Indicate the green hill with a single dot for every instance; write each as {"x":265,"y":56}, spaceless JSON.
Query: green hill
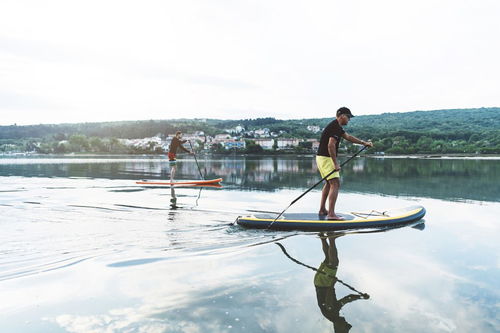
{"x":438,"y":131}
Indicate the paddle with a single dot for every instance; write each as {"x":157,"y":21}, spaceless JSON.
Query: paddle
{"x":196,"y":159}
{"x":324,"y":178}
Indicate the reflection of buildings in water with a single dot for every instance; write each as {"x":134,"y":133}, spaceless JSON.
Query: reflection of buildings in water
{"x":359,"y":166}
{"x":263,"y":173}
{"x":265,"y":165}
{"x":227,"y":167}
{"x":268,"y":171}
{"x":287,"y":166}
{"x":158,"y":167}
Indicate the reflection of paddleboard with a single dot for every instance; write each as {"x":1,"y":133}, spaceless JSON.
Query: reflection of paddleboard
{"x":207,"y":185}
{"x":191,"y":182}
{"x":353,"y":220}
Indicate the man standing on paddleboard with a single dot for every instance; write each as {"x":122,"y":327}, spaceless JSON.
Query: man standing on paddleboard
{"x":326,"y":160}
{"x":176,"y":143}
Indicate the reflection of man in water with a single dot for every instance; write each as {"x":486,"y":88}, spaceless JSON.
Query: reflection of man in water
{"x":324,"y":281}
{"x":173,"y":198}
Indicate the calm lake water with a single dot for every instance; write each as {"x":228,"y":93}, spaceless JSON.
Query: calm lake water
{"x":85,"y":249}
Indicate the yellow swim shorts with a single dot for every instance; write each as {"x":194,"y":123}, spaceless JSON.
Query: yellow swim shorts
{"x":325,"y":166}
{"x":325,"y":275}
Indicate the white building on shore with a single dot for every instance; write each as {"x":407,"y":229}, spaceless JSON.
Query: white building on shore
{"x":289,"y":143}
{"x":266,"y":144}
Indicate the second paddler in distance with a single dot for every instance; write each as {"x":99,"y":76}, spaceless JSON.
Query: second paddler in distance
{"x":177,"y":143}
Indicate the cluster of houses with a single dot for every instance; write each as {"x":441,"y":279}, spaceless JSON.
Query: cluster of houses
{"x":232,"y":139}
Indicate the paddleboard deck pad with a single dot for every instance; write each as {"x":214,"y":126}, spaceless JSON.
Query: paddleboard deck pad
{"x":352,"y":220}
{"x":180,"y":183}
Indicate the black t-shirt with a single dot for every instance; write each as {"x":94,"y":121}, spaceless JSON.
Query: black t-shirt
{"x":334,"y":130}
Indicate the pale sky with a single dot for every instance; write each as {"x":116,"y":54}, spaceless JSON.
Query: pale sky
{"x":86,"y":61}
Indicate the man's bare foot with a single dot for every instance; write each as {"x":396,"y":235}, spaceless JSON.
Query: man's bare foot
{"x":323,"y":212}
{"x":335,"y":218}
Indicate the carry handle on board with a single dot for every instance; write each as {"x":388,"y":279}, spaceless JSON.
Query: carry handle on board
{"x":324,"y":178}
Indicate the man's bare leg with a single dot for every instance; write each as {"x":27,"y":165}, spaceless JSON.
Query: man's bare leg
{"x":324,"y":196}
{"x":172,"y":173}
{"x":332,"y":199}
{"x":333,"y":257}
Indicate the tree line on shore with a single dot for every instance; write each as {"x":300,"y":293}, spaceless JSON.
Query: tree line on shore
{"x":466,"y":131}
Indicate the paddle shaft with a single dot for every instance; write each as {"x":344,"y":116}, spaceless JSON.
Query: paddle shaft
{"x":196,"y":160}
{"x":324,"y":178}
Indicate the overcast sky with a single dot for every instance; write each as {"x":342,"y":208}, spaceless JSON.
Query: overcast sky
{"x":85,"y":61}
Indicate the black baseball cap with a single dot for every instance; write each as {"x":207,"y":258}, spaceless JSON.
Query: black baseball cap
{"x":346,"y":111}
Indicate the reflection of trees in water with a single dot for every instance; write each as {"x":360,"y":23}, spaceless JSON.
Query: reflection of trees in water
{"x":443,"y":179}
{"x":430,"y":167}
{"x":437,"y":178}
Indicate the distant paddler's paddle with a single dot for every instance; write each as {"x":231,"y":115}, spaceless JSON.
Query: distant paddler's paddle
{"x":324,"y":178}
{"x":196,"y":159}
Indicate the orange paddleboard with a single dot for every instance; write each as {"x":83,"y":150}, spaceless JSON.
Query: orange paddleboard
{"x":191,"y":182}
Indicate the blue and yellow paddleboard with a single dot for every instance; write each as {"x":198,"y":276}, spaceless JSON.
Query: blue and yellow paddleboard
{"x":352,"y":220}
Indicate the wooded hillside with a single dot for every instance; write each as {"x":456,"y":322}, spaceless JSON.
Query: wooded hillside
{"x":439,"y":131}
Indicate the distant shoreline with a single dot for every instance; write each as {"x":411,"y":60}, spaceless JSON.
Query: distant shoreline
{"x":419,"y":156}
